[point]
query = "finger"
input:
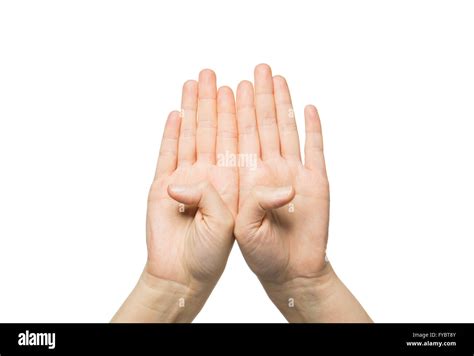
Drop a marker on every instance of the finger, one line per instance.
(261, 200)
(187, 134)
(205, 197)
(313, 149)
(246, 120)
(289, 141)
(226, 123)
(266, 115)
(207, 117)
(169, 146)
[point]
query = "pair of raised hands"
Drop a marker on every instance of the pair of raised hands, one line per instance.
(232, 169)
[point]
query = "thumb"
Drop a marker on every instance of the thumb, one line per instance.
(260, 200)
(203, 196)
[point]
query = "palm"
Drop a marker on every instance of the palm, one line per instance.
(182, 242)
(290, 242)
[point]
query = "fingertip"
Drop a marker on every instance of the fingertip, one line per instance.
(262, 69)
(263, 80)
(312, 121)
(279, 80)
(207, 75)
(245, 94)
(190, 86)
(225, 100)
(274, 198)
(225, 92)
(207, 84)
(285, 193)
(311, 111)
(282, 92)
(174, 189)
(173, 116)
(189, 96)
(292, 192)
(244, 86)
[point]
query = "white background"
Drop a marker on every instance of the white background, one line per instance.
(85, 87)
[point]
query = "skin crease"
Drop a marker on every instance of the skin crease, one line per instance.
(283, 244)
(187, 251)
(191, 246)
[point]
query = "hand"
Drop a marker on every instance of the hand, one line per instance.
(192, 203)
(282, 225)
(280, 242)
(192, 246)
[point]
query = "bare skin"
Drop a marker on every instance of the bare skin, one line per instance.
(282, 225)
(280, 207)
(188, 250)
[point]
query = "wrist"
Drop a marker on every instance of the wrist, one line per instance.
(156, 300)
(300, 298)
(322, 298)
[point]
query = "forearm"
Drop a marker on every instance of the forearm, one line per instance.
(154, 300)
(323, 299)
